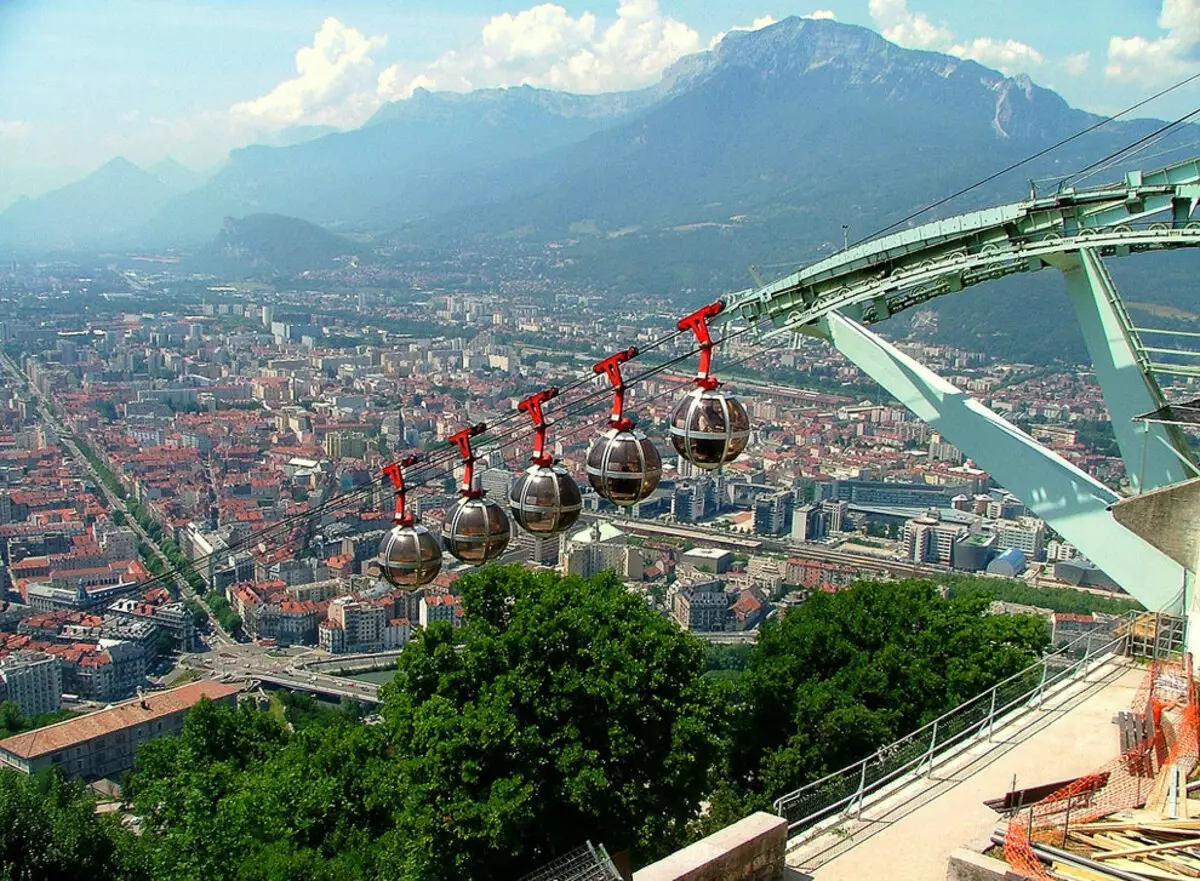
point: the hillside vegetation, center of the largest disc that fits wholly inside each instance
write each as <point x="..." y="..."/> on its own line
<point x="566" y="710"/>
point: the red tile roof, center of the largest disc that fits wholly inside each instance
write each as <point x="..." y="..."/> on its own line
<point x="61" y="735"/>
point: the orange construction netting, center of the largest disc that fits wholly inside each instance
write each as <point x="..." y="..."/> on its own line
<point x="1166" y="704"/>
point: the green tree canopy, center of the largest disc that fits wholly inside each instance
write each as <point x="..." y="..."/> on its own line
<point x="565" y="710"/>
<point x="238" y="795"/>
<point x="49" y="831"/>
<point x="849" y="672"/>
<point x="568" y="711"/>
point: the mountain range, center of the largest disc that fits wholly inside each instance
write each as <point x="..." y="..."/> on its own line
<point x="758" y="151"/>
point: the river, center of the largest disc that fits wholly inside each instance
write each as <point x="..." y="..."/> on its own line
<point x="379" y="677"/>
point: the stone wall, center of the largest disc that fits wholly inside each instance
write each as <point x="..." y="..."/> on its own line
<point x="749" y="850"/>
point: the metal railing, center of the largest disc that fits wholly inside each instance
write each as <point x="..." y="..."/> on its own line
<point x="846" y="790"/>
<point x="586" y="863"/>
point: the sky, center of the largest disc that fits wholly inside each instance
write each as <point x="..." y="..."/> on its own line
<point x="83" y="82"/>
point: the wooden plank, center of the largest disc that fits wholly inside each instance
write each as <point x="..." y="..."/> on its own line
<point x="1150" y="848"/>
<point x="1172" y="863"/>
<point x="1071" y="872"/>
<point x="1034" y="794"/>
<point x="1155" y="824"/>
<point x="1148" y="871"/>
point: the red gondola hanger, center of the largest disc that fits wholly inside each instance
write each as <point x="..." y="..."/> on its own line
<point x="611" y="367"/>
<point x="462" y="440"/>
<point x="395" y="471"/>
<point x="533" y="406"/>
<point x="697" y="323"/>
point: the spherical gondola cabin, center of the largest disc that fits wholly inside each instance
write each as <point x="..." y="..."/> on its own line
<point x="623" y="464"/>
<point x="409" y="554"/>
<point x="478" y="529"/>
<point x="545" y="500"/>
<point x="709" y="428"/>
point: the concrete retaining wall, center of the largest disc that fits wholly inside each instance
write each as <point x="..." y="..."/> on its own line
<point x="749" y="850"/>
<point x="967" y="865"/>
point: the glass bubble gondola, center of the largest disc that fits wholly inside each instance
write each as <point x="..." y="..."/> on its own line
<point x="477" y="529"/>
<point x="409" y="554"/>
<point x="545" y="500"/>
<point x="623" y="464"/>
<point x="708" y="428"/>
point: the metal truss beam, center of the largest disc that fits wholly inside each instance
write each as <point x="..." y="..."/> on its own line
<point x="1155" y="454"/>
<point x="1072" y="502"/>
<point x="1147" y="211"/>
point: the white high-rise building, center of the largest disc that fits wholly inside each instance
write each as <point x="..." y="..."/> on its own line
<point x="33" y="680"/>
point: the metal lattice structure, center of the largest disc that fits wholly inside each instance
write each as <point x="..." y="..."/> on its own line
<point x="587" y="863"/>
<point x="1071" y="230"/>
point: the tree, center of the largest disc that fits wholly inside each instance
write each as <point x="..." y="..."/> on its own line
<point x="238" y="796"/>
<point x="569" y="711"/>
<point x="849" y="672"/>
<point x="12" y="719"/>
<point x="49" y="830"/>
<point x="164" y="643"/>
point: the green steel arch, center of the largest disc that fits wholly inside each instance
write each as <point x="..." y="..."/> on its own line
<point x="1071" y="230"/>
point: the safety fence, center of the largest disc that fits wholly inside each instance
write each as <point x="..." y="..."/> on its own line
<point x="845" y="791"/>
<point x="1165" y="713"/>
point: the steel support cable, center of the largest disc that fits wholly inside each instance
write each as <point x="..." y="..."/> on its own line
<point x="1030" y="158"/>
<point x="1147" y="140"/>
<point x="358" y="493"/>
<point x="344" y="500"/>
<point x="340" y="502"/>
<point x="671" y="389"/>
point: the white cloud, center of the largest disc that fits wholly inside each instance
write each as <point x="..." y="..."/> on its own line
<point x="821" y="14"/>
<point x="15" y="129"/>
<point x="758" y="24"/>
<point x="540" y="32"/>
<point x="915" y="31"/>
<point x="1152" y="61"/>
<point x="334" y="83"/>
<point x="1077" y="64"/>
<point x="911" y="29"/>
<point x="1007" y="56"/>
<point x="546" y="46"/>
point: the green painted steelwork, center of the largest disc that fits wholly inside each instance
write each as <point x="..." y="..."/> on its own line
<point x="1070" y="230"/>
<point x="1074" y="503"/>
<point x="877" y="279"/>
<point x="1155" y="454"/>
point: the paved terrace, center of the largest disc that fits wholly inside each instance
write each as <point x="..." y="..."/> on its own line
<point x="908" y="832"/>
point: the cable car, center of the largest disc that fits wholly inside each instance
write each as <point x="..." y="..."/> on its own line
<point x="708" y="428"/>
<point x="409" y="555"/>
<point x="623" y="464"/>
<point x="545" y="500"/>
<point x="477" y="529"/>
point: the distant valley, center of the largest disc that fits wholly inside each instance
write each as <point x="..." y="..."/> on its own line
<point x="756" y="152"/>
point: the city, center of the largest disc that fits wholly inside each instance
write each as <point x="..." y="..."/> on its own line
<point x="193" y="441"/>
<point x="618" y="448"/>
